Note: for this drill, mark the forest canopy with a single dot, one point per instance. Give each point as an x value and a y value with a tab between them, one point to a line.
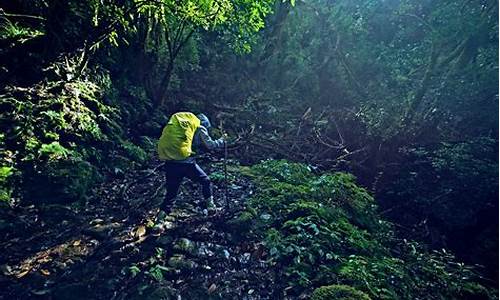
361	158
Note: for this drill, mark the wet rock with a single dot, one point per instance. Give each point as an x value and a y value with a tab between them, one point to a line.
40	292
203	230
167	225
6	270
221	252
265	217
96	221
204	251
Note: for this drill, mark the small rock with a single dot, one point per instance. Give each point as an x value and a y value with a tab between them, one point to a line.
168	225
40	292
6	270
212	288
203	251
265	216
204	230
96	221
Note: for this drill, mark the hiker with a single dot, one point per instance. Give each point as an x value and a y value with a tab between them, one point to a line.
184	133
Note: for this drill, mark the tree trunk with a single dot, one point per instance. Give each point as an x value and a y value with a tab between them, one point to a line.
424	86
161	94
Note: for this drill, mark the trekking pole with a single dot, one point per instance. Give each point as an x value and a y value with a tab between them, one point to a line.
224	135
225	175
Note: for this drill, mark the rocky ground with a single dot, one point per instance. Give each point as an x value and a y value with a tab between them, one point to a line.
107	249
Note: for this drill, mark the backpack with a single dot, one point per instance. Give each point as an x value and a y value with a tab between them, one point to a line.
177	136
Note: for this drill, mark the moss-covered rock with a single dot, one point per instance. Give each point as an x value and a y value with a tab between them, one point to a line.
184	245
180	262
59	134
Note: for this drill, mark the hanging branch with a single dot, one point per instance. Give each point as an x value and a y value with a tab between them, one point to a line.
21	16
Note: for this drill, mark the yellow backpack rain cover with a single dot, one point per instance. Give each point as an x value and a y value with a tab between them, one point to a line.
177	136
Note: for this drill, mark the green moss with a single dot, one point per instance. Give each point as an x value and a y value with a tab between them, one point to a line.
324	228
54	151
284	171
135	152
243	222
60	135
14	31
338	292
5	191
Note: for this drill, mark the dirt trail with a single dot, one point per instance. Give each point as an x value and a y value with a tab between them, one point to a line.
107	249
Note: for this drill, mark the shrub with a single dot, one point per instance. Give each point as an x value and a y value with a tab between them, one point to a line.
324	229
338	292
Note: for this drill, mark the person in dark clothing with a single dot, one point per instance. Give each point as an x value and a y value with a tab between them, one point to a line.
177	170
175	173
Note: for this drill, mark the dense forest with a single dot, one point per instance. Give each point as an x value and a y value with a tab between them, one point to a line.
360	158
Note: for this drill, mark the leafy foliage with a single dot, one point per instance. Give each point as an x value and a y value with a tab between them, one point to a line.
5	187
338	292
54	135
450	189
10	31
323	229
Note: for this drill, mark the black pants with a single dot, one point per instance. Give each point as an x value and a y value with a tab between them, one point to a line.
175	173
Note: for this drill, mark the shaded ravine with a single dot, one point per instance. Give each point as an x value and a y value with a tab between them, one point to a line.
107	249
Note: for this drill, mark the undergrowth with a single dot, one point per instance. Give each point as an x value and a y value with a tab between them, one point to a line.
59	137
324	229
